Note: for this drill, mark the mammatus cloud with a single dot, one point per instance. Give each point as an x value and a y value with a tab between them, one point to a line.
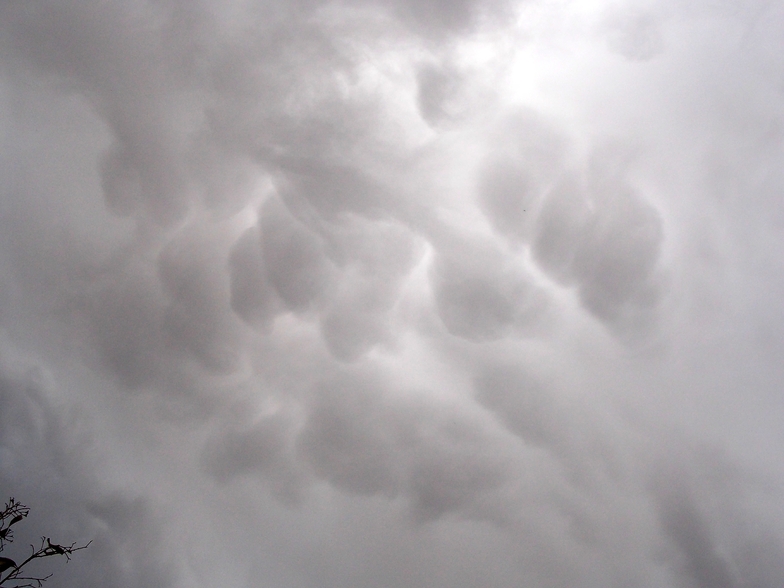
394	293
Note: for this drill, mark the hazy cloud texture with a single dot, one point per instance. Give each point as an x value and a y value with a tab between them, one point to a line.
395	294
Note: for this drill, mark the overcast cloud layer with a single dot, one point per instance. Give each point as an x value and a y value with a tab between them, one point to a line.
395	293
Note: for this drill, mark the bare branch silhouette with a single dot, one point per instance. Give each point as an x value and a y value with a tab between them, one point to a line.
16	575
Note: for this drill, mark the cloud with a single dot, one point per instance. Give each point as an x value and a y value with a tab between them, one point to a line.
69	503
635	34
528	155
481	295
401	293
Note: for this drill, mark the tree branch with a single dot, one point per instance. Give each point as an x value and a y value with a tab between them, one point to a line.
12	513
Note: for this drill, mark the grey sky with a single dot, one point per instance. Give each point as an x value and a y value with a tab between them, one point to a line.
395	293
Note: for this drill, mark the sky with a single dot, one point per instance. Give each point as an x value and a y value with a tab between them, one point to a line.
395	293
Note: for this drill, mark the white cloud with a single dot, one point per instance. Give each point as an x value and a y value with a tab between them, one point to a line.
394	293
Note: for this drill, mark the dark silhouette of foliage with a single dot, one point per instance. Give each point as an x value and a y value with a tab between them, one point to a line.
13	574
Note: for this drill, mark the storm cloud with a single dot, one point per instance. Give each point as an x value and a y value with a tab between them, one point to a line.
365	293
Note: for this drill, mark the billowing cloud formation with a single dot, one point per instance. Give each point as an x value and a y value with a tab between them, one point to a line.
394	293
